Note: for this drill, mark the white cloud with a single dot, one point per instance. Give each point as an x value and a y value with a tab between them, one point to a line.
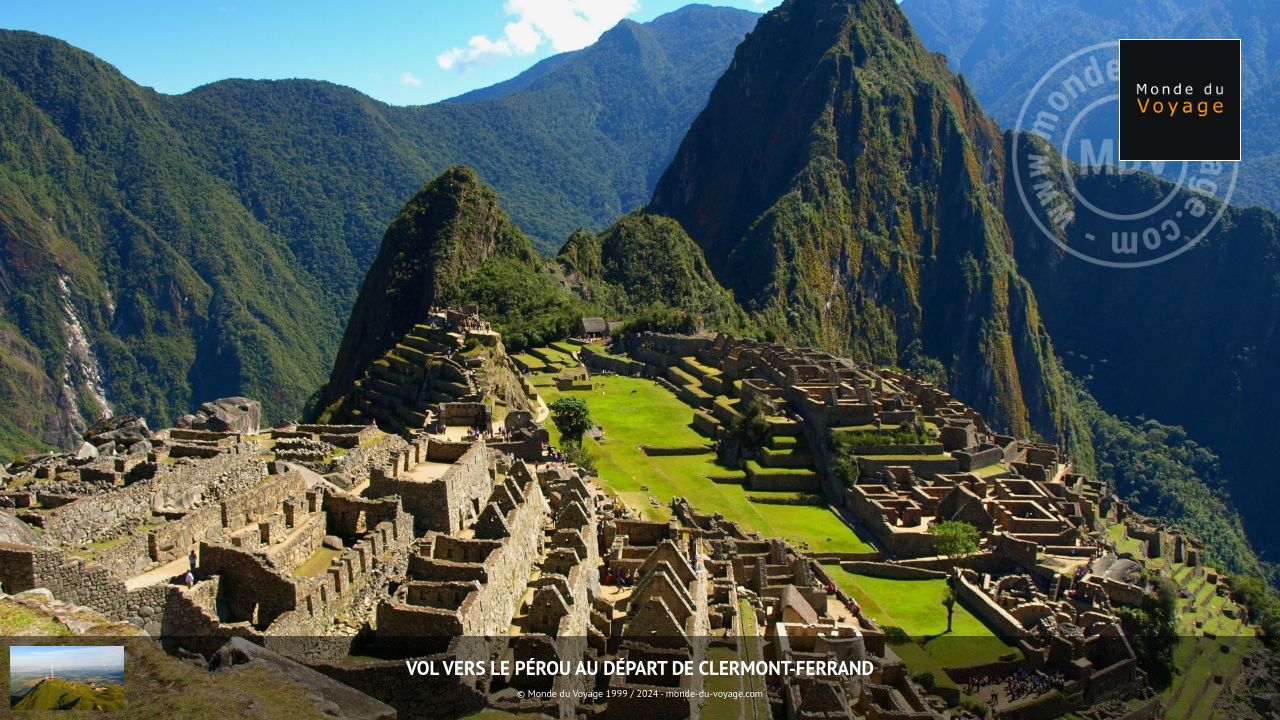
408	78
564	24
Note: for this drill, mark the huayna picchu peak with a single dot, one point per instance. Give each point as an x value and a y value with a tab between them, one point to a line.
839	183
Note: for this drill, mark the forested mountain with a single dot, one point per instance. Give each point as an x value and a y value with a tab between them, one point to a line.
1193	340
453	244
452	226
868	208
1002	47
159	251
131	275
853	211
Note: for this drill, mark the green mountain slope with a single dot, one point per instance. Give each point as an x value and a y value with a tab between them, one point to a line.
159	251
1004	46
59	694
453	244
854	211
646	261
137	276
866	208
450	227
1194	340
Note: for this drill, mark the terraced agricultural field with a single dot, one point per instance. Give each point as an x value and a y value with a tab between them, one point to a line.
635	412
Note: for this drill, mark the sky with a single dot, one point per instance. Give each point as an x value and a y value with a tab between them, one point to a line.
403	52
27	658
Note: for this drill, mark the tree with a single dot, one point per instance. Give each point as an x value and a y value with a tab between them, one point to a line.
572	418
747	432
955	540
949	602
1152	631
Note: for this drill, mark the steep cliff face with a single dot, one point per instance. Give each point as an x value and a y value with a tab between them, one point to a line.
1194	340
450	227
840	183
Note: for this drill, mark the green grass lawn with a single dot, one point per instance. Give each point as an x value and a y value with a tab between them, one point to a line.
916	607
634	412
990	470
532	363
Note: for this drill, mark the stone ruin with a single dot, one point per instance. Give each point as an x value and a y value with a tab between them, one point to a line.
454	538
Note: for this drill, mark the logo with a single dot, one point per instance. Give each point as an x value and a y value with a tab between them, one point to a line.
1067	171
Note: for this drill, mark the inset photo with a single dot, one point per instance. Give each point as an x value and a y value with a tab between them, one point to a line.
66	677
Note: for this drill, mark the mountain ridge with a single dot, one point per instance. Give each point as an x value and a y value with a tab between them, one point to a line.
865	222
212	243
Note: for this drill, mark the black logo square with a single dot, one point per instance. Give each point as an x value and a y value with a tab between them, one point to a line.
1179	100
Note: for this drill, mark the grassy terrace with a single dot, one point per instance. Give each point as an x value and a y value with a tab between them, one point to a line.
635	412
1211	642
17	619
916	607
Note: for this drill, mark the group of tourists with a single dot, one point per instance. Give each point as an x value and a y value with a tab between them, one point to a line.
621	578
1020	684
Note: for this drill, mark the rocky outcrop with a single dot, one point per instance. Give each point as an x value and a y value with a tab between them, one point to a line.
13	530
233	414
117	435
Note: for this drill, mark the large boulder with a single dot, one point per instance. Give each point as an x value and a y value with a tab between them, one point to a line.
117	433
232	414
13	530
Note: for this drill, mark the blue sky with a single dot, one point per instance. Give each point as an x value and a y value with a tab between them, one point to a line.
64	657
403	51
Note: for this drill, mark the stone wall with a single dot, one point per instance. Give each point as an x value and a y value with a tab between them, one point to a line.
161	610
980	458
359	461
896	543
111	514
353	577
250	590
212	521
610	363
443	504
300	544
100	517
249	507
981	604
487	607
228	473
172	540
447	452
127	559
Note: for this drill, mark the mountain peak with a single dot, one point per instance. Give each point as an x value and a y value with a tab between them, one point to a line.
852	210
451	225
